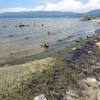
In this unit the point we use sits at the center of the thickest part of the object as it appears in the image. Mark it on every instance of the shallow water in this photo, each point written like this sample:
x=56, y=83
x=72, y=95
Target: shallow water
x=14, y=39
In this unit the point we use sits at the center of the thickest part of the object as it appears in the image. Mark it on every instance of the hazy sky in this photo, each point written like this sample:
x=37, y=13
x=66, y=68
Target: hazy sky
x=48, y=5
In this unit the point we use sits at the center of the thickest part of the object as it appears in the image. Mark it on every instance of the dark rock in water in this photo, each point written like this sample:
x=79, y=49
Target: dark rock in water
x=4, y=26
x=22, y=25
x=77, y=40
x=97, y=31
x=10, y=35
x=42, y=25
x=64, y=39
x=27, y=38
x=49, y=33
x=99, y=22
x=88, y=36
x=60, y=40
x=34, y=24
x=46, y=45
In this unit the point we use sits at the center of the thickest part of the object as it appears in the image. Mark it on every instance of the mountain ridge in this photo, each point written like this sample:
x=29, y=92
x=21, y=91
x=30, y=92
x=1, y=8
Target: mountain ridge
x=48, y=14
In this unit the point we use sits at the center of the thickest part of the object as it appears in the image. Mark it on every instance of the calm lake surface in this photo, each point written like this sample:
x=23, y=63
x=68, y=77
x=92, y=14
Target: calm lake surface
x=62, y=31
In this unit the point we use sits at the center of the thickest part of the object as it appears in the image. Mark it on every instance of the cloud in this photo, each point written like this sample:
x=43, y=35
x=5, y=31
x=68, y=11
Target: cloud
x=38, y=8
x=14, y=10
x=20, y=9
x=64, y=5
x=92, y=4
x=73, y=5
x=61, y=5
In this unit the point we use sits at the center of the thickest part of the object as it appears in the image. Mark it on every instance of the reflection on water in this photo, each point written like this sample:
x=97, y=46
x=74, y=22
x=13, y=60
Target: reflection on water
x=51, y=30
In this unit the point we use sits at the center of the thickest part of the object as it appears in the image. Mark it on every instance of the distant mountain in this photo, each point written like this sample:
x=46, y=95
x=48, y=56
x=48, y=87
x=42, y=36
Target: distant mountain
x=94, y=12
x=39, y=14
x=46, y=14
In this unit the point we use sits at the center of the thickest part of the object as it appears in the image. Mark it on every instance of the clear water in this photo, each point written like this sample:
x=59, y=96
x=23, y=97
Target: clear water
x=14, y=38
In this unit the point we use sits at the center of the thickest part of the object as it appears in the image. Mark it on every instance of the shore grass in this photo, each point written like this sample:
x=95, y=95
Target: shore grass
x=15, y=79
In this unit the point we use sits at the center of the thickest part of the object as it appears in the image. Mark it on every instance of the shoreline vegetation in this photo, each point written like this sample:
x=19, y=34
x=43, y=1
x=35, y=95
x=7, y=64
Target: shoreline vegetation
x=70, y=74
x=89, y=18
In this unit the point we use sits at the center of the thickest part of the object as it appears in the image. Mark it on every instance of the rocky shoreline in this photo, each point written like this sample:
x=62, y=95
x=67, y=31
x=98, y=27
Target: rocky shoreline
x=79, y=78
x=69, y=74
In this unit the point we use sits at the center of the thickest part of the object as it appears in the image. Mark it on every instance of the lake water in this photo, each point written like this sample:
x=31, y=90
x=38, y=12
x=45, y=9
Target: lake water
x=14, y=39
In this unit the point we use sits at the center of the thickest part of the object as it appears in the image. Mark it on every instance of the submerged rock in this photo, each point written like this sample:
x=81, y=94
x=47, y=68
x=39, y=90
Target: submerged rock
x=27, y=38
x=46, y=45
x=98, y=22
x=40, y=97
x=10, y=35
x=97, y=31
x=21, y=25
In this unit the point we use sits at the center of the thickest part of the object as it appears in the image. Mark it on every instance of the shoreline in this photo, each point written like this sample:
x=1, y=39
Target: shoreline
x=57, y=77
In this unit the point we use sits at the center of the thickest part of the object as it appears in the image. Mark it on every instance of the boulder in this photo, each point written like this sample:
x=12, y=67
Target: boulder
x=98, y=44
x=40, y=97
x=90, y=89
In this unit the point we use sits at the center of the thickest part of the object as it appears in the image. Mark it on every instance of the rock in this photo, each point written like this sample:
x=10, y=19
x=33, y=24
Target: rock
x=97, y=31
x=49, y=33
x=98, y=95
x=90, y=80
x=68, y=98
x=90, y=89
x=90, y=52
x=4, y=26
x=42, y=25
x=95, y=40
x=74, y=48
x=98, y=44
x=10, y=35
x=27, y=38
x=96, y=70
x=40, y=97
x=22, y=25
x=98, y=22
x=46, y=45
x=77, y=40
x=71, y=95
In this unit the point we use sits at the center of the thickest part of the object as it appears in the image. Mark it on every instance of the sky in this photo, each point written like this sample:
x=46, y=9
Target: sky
x=48, y=5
